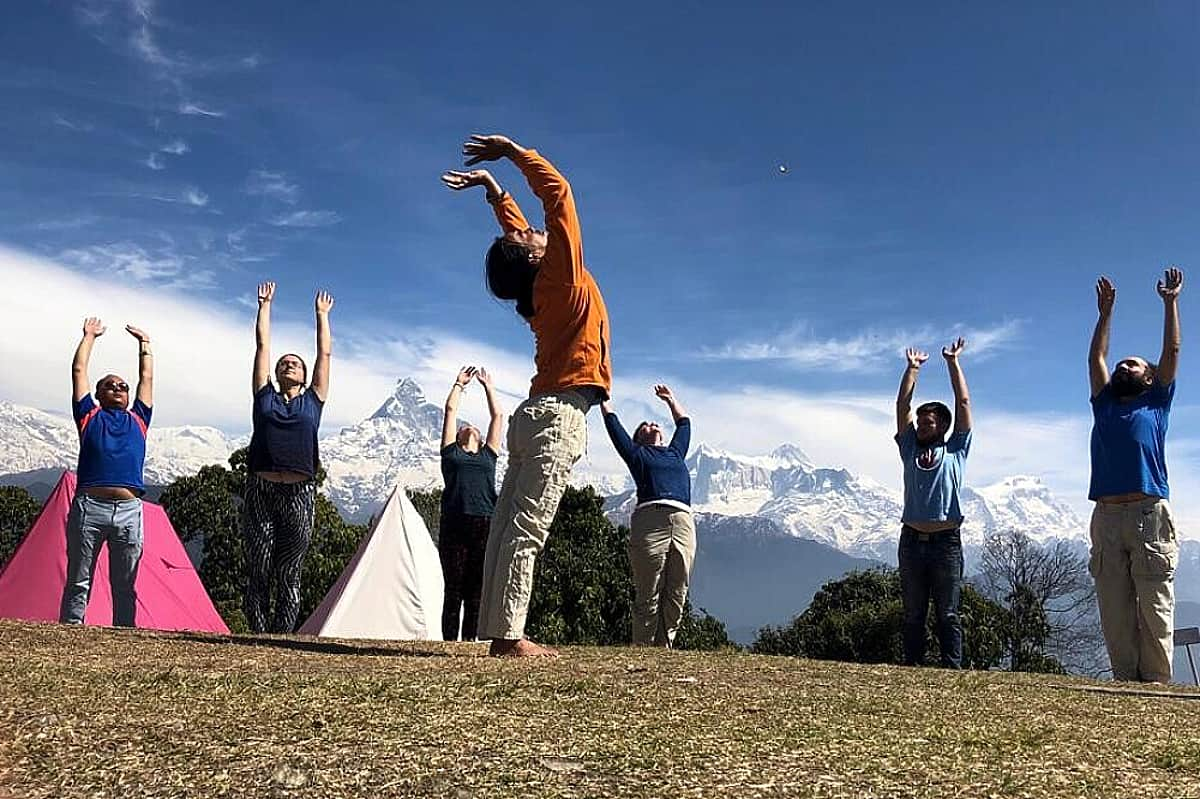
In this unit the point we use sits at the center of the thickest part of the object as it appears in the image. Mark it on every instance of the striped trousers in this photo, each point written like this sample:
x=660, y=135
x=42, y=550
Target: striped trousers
x=277, y=527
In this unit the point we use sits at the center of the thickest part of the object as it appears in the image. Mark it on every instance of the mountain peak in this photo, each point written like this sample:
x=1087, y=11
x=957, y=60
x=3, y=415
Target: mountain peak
x=790, y=454
x=407, y=397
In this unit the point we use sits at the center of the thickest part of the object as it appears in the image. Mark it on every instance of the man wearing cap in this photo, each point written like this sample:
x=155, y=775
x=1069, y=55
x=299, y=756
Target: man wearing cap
x=931, y=556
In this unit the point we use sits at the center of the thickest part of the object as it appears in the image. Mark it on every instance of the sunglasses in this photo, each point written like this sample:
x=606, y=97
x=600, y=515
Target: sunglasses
x=122, y=388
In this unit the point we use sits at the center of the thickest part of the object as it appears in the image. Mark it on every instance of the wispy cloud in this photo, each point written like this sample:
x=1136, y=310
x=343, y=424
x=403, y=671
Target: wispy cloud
x=864, y=351
x=75, y=125
x=175, y=147
x=188, y=196
x=126, y=259
x=154, y=161
x=275, y=185
x=66, y=222
x=307, y=219
x=189, y=108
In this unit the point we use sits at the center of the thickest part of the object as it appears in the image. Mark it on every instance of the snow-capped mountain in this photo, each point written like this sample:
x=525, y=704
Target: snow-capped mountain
x=398, y=444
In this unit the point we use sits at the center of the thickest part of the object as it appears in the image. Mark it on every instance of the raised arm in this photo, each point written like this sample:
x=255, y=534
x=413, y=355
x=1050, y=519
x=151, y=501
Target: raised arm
x=508, y=213
x=908, y=384
x=1106, y=297
x=450, y=412
x=145, y=386
x=262, y=338
x=616, y=432
x=323, y=304
x=682, y=437
x=958, y=382
x=81, y=386
x=1169, y=288
x=496, y=423
x=564, y=241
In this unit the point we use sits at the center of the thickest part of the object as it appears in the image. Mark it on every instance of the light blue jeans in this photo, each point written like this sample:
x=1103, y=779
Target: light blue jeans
x=90, y=524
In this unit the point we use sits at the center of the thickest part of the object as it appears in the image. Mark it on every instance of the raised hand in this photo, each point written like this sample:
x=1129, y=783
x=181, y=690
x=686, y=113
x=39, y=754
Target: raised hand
x=464, y=375
x=663, y=392
x=266, y=292
x=1106, y=295
x=954, y=350
x=915, y=357
x=483, y=377
x=486, y=148
x=93, y=327
x=138, y=333
x=464, y=180
x=323, y=302
x=1171, y=284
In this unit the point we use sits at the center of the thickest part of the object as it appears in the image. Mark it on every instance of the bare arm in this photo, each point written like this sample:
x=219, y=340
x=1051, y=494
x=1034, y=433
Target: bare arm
x=908, y=384
x=145, y=386
x=262, y=338
x=81, y=386
x=508, y=213
x=665, y=394
x=320, y=377
x=450, y=412
x=496, y=424
x=1169, y=288
x=1106, y=296
x=958, y=382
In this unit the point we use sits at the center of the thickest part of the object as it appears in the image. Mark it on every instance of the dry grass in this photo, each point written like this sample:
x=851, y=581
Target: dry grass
x=103, y=713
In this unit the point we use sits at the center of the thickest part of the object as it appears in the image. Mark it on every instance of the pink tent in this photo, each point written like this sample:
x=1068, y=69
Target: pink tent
x=170, y=595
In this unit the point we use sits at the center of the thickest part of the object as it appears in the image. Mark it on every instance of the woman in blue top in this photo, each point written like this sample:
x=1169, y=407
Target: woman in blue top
x=662, y=533
x=281, y=489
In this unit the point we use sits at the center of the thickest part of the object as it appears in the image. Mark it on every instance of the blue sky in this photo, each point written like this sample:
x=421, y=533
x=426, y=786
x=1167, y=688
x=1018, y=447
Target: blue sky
x=950, y=169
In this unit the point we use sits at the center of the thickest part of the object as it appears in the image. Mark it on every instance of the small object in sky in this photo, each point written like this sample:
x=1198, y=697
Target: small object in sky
x=783, y=169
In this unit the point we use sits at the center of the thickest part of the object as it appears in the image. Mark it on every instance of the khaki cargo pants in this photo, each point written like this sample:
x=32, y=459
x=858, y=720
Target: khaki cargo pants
x=1134, y=555
x=546, y=436
x=662, y=548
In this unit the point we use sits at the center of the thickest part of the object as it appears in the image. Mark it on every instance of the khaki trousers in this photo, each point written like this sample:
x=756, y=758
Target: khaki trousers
x=1134, y=555
x=662, y=548
x=546, y=436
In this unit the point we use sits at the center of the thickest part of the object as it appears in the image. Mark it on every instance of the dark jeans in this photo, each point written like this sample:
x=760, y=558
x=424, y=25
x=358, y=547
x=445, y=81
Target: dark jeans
x=462, y=542
x=931, y=566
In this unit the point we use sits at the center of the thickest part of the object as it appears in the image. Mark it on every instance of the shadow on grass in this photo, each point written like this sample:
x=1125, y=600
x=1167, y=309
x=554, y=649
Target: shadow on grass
x=325, y=647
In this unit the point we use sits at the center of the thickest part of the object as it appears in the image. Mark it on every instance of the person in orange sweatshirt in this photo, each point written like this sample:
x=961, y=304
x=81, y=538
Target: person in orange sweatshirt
x=543, y=272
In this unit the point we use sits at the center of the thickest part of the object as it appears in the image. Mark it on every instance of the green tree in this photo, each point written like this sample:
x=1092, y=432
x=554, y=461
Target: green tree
x=429, y=504
x=860, y=618
x=582, y=590
x=18, y=510
x=701, y=631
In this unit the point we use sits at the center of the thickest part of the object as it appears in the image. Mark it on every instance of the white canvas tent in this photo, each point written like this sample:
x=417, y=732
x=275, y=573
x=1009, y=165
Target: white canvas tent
x=392, y=588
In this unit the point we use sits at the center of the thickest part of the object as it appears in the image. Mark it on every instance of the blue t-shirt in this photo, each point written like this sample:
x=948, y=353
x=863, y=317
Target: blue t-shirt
x=285, y=432
x=1129, y=442
x=112, y=444
x=933, y=476
x=470, y=479
x=660, y=473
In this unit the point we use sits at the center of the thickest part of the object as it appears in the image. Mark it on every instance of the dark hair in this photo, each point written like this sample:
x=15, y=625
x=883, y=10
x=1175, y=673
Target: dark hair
x=939, y=410
x=637, y=431
x=298, y=358
x=510, y=274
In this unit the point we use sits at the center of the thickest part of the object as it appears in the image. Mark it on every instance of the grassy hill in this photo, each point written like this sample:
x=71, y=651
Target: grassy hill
x=94, y=712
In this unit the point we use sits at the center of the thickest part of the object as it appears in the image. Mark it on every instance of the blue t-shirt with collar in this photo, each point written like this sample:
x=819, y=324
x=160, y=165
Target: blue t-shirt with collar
x=112, y=444
x=933, y=476
x=1129, y=442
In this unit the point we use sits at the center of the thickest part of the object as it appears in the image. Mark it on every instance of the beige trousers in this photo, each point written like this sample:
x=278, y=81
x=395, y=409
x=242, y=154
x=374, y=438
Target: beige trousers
x=546, y=435
x=1134, y=555
x=662, y=548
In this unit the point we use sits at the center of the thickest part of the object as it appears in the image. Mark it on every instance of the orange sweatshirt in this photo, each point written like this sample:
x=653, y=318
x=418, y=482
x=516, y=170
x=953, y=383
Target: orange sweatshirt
x=570, y=322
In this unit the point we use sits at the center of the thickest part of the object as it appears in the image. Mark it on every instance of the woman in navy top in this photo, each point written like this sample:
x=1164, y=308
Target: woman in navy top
x=662, y=533
x=281, y=489
x=468, y=501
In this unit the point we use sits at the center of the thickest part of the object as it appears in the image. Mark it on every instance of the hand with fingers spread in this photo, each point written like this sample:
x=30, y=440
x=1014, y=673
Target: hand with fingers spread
x=138, y=333
x=93, y=328
x=464, y=376
x=487, y=148
x=457, y=180
x=954, y=350
x=1171, y=284
x=484, y=378
x=266, y=292
x=663, y=392
x=323, y=302
x=915, y=357
x=1106, y=296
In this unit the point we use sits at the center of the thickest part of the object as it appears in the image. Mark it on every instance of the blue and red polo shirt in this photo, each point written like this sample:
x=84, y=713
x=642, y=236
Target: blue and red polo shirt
x=112, y=444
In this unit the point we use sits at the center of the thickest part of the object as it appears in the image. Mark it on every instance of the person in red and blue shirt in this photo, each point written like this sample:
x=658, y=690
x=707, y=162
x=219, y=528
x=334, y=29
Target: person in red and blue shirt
x=107, y=507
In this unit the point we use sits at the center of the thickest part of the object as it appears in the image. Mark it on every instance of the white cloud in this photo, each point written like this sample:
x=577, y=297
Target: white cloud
x=193, y=196
x=154, y=161
x=175, y=147
x=81, y=127
x=307, y=219
x=864, y=351
x=126, y=259
x=189, y=108
x=261, y=183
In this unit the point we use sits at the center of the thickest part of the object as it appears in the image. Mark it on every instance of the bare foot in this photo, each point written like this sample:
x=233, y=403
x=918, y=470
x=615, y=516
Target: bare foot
x=520, y=648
